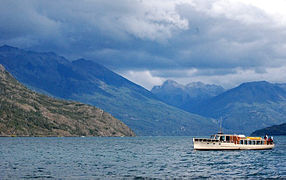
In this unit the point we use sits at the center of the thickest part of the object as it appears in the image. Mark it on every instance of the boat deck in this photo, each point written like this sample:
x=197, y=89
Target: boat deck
x=232, y=142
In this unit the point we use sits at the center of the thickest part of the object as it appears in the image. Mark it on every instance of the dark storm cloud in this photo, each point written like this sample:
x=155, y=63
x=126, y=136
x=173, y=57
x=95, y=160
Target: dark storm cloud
x=167, y=38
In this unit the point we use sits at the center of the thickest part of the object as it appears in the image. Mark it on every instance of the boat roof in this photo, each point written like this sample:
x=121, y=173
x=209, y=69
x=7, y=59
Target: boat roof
x=240, y=135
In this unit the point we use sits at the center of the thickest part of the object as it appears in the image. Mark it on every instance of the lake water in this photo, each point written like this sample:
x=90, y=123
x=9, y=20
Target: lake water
x=133, y=158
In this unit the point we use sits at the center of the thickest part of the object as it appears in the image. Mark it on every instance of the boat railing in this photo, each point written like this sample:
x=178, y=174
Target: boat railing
x=205, y=140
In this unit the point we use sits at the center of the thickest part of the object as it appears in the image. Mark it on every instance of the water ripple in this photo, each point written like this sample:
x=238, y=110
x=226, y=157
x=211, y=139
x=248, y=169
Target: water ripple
x=133, y=158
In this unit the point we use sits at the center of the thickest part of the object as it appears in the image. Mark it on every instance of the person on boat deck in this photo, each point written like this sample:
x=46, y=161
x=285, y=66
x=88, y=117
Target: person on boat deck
x=271, y=139
x=266, y=137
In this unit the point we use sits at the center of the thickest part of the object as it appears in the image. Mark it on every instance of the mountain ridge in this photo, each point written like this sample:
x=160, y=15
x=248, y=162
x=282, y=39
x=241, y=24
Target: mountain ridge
x=26, y=113
x=185, y=96
x=275, y=130
x=249, y=106
x=91, y=83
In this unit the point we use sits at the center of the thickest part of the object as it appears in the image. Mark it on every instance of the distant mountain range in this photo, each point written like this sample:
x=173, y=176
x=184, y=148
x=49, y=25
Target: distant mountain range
x=185, y=97
x=243, y=109
x=91, y=83
x=26, y=113
x=248, y=107
x=276, y=130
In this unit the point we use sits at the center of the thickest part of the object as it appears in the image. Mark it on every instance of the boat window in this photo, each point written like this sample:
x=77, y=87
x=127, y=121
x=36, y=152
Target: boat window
x=222, y=138
x=227, y=138
x=217, y=137
x=257, y=142
x=241, y=142
x=234, y=138
x=250, y=142
x=253, y=142
x=212, y=136
x=245, y=141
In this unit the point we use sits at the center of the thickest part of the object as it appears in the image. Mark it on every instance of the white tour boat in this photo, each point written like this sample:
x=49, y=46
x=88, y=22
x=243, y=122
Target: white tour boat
x=232, y=142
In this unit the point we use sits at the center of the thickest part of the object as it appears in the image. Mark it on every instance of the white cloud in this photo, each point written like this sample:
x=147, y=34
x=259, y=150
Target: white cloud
x=144, y=78
x=224, y=41
x=231, y=79
x=276, y=9
x=21, y=24
x=154, y=20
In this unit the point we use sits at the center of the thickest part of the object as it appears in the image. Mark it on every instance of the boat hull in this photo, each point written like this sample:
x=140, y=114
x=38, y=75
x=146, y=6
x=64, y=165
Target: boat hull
x=198, y=145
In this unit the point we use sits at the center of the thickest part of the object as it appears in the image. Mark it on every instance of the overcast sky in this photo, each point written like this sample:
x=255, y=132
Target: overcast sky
x=224, y=42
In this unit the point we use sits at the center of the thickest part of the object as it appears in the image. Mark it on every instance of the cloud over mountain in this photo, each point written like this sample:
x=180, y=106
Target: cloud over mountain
x=212, y=41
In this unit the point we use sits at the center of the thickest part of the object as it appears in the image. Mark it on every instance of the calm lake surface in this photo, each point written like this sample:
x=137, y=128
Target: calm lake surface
x=130, y=158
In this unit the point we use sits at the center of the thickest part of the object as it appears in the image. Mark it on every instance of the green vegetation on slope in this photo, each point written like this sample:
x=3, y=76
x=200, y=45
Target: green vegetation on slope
x=91, y=83
x=26, y=113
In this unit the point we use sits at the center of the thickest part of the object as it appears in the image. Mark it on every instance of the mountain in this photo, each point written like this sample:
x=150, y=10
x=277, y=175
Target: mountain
x=250, y=106
x=276, y=130
x=281, y=85
x=185, y=97
x=26, y=113
x=88, y=82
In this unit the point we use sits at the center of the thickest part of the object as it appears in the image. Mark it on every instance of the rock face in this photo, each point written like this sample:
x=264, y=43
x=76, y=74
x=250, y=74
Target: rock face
x=26, y=113
x=91, y=83
x=276, y=130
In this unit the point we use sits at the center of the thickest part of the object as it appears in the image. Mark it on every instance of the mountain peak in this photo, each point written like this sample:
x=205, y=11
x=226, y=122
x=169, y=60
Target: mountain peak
x=168, y=85
x=253, y=92
x=6, y=47
x=170, y=82
x=91, y=83
x=185, y=97
x=256, y=83
x=251, y=105
x=195, y=84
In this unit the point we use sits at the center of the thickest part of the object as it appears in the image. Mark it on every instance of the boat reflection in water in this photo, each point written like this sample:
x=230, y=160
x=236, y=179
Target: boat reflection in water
x=232, y=142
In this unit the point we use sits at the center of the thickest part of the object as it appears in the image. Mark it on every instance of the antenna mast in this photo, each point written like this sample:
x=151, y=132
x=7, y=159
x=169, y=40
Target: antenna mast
x=220, y=127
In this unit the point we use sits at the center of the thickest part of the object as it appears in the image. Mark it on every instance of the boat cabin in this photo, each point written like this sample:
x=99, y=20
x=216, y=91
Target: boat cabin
x=236, y=139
